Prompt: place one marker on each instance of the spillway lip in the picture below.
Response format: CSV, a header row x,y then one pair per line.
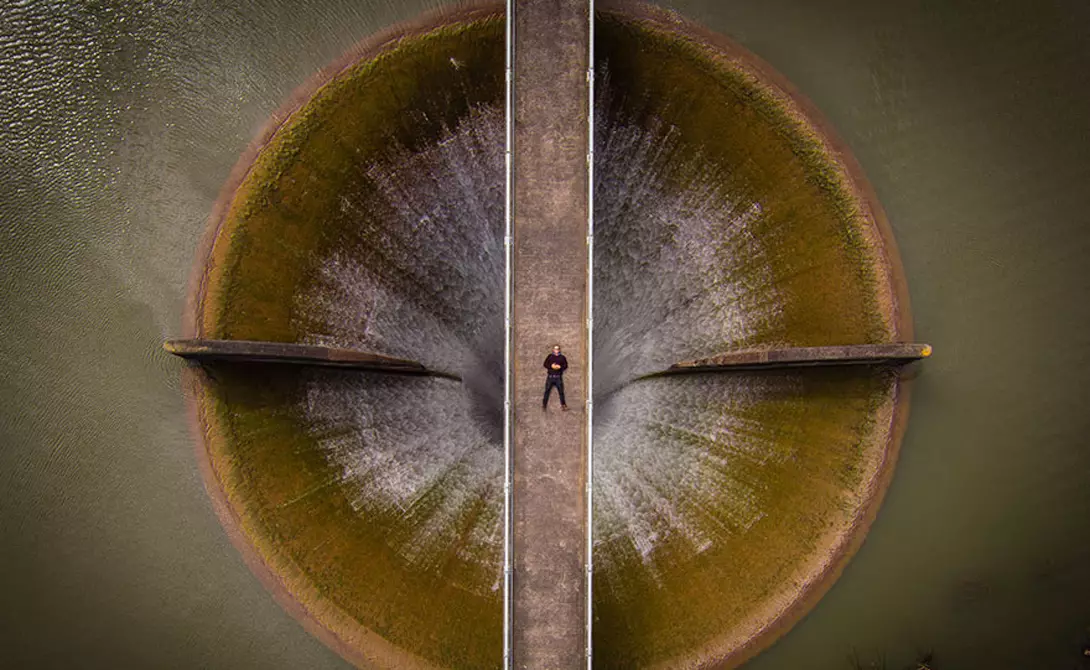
x,y
337,630
766,625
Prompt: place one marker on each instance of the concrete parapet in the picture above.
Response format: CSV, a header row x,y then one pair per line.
x,y
249,351
895,353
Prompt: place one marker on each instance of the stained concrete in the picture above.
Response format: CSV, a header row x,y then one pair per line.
x,y
897,353
252,351
551,44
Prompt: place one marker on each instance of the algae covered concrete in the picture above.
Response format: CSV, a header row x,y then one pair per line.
x,y
551,57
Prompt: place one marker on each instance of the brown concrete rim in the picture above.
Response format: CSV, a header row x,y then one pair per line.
x,y
367,649
883,244
724,652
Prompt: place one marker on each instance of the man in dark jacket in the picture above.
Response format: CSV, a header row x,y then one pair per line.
x,y
555,365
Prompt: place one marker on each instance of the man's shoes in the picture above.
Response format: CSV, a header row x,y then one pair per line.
x,y
564,407
544,408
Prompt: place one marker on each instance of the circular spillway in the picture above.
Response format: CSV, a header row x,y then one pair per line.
x,y
370,216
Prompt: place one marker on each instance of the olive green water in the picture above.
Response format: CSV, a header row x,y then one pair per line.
x,y
968,120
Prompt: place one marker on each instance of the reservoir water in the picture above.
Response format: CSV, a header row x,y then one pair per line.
x,y
122,122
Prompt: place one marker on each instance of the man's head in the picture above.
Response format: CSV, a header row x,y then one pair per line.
x,y
556,348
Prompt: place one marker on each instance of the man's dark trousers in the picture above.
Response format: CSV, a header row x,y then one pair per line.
x,y
550,382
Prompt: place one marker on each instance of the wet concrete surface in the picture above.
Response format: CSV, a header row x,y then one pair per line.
x,y
550,283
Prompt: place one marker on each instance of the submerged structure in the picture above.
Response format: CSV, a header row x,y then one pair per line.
x,y
729,225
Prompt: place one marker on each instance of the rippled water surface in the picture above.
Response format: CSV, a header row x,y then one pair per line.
x,y
123,120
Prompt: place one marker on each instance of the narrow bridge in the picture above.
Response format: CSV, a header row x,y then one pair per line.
x,y
549,469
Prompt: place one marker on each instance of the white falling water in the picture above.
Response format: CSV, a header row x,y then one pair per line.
x,y
678,272
425,282
678,275
672,463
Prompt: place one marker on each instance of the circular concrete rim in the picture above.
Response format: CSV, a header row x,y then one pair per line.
x,y
373,649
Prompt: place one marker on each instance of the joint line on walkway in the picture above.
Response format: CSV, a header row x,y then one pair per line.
x,y
508,214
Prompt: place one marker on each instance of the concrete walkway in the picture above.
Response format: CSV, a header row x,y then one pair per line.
x,y
551,42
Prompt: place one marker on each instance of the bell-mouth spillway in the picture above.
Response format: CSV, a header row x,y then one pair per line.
x,y
728,219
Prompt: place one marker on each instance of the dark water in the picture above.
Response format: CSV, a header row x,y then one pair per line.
x,y
121,122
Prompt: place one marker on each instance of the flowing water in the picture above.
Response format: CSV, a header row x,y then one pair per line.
x,y
124,120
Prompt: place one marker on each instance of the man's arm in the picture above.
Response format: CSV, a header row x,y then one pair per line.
x,y
546,363
563,363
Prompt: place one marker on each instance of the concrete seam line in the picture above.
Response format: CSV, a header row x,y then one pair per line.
x,y
507,306
589,550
